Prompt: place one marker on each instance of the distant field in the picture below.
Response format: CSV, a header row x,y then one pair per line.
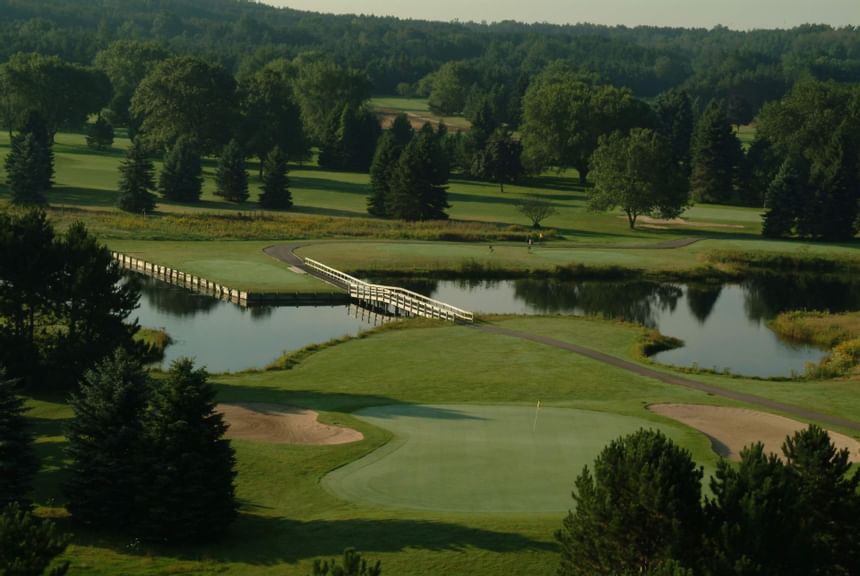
x,y
417,110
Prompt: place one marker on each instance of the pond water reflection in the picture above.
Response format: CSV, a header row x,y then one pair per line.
x,y
724,326
226,337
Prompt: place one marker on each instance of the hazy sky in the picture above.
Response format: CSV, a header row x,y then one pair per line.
x,y
740,14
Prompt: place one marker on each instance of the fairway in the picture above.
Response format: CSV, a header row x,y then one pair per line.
x,y
462,458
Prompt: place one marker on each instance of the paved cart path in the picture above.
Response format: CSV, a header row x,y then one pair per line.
x,y
674,379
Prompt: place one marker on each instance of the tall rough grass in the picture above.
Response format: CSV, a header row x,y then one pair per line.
x,y
838,332
268,226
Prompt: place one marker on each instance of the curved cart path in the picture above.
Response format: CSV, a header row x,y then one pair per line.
x,y
674,379
285,253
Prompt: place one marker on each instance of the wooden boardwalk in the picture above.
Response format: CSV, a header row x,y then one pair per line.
x,y
392,298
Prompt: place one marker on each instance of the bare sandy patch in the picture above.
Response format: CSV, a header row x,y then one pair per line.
x,y
730,429
661,224
281,424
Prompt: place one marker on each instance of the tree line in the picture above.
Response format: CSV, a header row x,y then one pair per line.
x,y
743,67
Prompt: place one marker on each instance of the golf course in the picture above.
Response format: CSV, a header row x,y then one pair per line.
x,y
456,445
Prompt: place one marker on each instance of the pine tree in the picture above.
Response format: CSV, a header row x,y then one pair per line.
x,y
829,499
181,177
784,199
35,125
28,546
836,190
100,134
675,123
276,192
18,464
755,518
231,177
402,130
499,161
419,182
106,439
190,492
136,180
640,508
23,166
716,156
385,160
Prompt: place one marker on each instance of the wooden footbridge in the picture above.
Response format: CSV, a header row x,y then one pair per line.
x,y
387,298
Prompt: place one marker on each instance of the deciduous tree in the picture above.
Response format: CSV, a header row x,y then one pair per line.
x,y
182,96
500,160
639,174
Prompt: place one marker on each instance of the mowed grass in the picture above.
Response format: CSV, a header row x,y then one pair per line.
x,y
288,518
87,179
478,459
239,265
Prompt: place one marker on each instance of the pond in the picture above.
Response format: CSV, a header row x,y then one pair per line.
x,y
724,326
223,336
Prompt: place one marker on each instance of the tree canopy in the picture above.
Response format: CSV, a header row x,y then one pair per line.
x,y
639,174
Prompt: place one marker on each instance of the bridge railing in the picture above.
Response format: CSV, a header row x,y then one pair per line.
x,y
400,298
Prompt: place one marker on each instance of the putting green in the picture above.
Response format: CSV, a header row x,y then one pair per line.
x,y
464,458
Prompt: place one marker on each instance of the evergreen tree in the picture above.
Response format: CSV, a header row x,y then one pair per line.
x,y
350,140
836,190
23,165
500,160
639,508
784,201
231,177
716,155
36,126
181,177
385,160
100,134
419,182
829,500
28,546
675,123
105,445
190,492
136,180
755,518
276,192
402,130
18,464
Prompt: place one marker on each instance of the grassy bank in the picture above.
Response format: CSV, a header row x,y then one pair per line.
x,y
840,333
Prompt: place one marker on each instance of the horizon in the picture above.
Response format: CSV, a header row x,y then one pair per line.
x,y
734,14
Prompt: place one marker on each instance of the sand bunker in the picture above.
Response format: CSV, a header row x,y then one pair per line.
x,y
282,424
661,224
730,429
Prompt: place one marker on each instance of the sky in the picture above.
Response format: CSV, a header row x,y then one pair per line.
x,y
736,14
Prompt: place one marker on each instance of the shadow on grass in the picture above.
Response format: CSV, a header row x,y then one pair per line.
x,y
335,212
265,541
307,183
335,402
92,197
